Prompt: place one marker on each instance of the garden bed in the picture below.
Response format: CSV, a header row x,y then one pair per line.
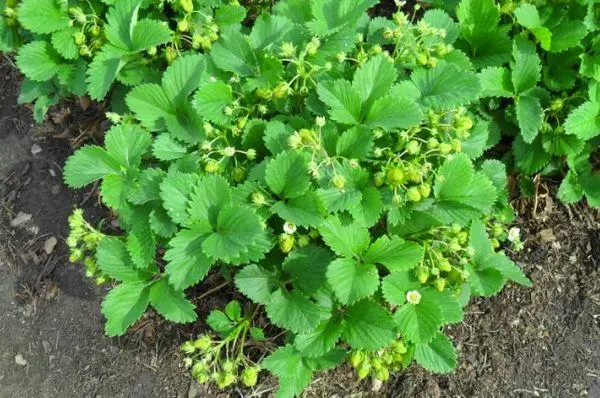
x,y
541,341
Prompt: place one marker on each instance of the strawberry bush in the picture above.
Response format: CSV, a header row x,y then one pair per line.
x,y
338,169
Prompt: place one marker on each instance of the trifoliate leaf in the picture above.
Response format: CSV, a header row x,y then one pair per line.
x,y
235,229
374,78
114,261
103,70
530,116
367,210
527,67
352,281
256,283
166,148
115,189
175,191
87,165
211,99
124,305
219,322
292,371
187,263
368,326
294,311
183,77
43,16
38,61
322,340
208,198
446,85
127,144
437,356
306,267
287,175
171,304
395,253
495,82
345,240
306,210
420,322
120,21
233,53
343,100
584,121
329,16
150,105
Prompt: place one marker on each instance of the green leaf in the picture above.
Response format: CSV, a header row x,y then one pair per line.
x,y
186,262
345,240
211,99
368,326
166,148
530,158
306,210
141,243
269,30
495,82
38,61
124,305
306,267
322,340
127,144
352,281
220,323
527,67
485,282
528,16
439,19
115,189
233,53
276,136
530,116
114,261
208,199
397,284
171,304
477,17
329,16
103,70
566,35
149,33
291,369
420,322
508,269
175,191
287,175
256,283
120,21
374,78
294,311
446,85
236,228
570,190
584,121
355,143
233,310
343,100
391,112
395,253
437,356
150,105
183,77
64,43
87,165
161,223
43,16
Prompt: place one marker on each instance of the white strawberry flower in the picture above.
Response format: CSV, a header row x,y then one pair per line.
x,y
413,297
229,151
514,234
289,228
320,121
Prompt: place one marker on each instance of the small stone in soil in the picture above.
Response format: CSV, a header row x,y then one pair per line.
x,y
21,218
55,190
19,360
47,347
35,149
50,244
52,172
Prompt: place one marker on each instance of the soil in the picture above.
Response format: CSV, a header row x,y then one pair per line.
x,y
538,342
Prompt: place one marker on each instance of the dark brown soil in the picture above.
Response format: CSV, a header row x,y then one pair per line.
x,y
543,341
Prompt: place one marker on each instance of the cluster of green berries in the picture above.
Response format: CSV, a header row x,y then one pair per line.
x,y
198,30
379,364
417,44
291,237
10,13
445,258
219,157
500,233
82,241
204,359
89,38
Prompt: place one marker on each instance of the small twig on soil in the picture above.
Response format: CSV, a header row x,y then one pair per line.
x,y
9,61
89,194
214,289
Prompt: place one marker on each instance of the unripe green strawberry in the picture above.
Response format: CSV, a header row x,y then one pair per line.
x,y
314,234
258,198
413,194
454,246
239,174
388,34
203,342
281,90
197,39
425,190
463,237
356,358
228,366
398,358
313,46
102,279
432,143
445,148
495,243
152,51
413,175
434,271
497,230
401,348
286,243
198,369
170,55
556,105
183,25
212,166
187,347
382,374
302,240
395,176
439,284
202,378
422,274
364,369
387,358
250,376
433,61
224,379
338,181
95,31
456,145
470,251
265,93
413,147
379,179
376,363
79,38
422,59
187,6
78,14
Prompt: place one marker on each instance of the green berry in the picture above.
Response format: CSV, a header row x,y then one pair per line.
x,y
413,194
286,243
422,274
250,376
432,143
439,284
203,343
338,181
444,265
364,369
187,347
356,358
413,147
187,6
445,148
425,190
395,176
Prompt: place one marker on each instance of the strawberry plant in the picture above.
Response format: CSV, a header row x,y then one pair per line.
x,y
328,164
